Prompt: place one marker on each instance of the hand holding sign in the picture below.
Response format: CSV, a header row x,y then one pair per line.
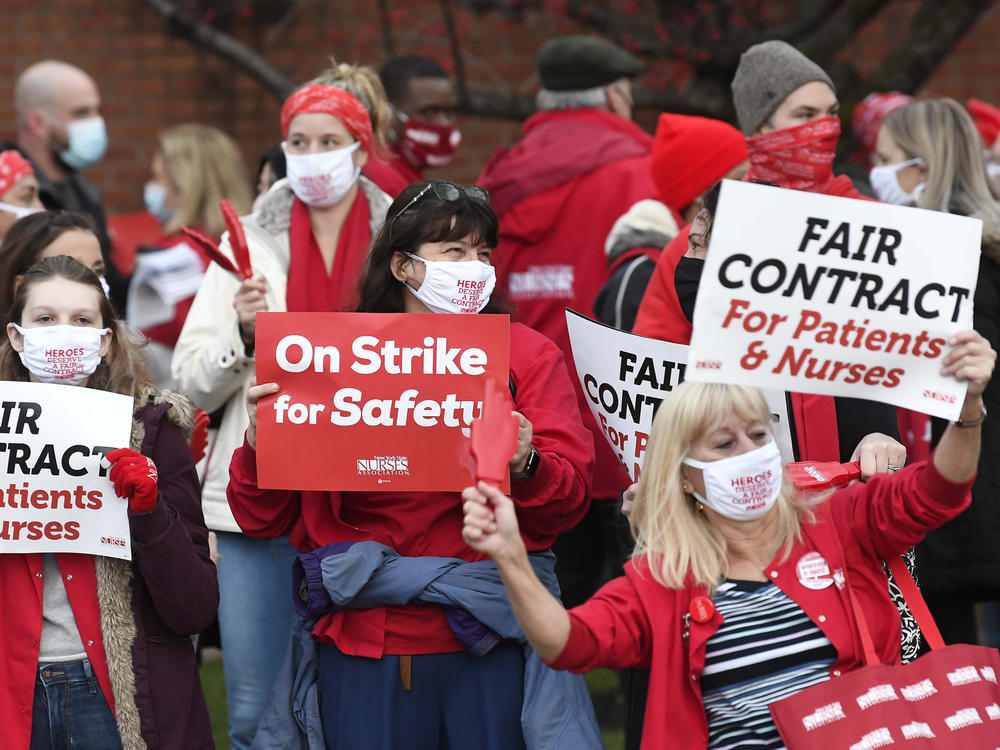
x,y
135,479
495,435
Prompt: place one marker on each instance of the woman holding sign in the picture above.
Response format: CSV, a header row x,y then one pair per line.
x,y
730,597
97,651
306,247
929,155
419,686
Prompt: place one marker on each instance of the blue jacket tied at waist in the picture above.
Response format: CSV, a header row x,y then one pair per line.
x,y
557,713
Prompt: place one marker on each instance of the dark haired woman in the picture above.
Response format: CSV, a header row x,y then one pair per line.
x,y
399,676
97,653
47,234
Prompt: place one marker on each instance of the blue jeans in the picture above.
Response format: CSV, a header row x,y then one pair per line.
x,y
457,702
70,711
255,619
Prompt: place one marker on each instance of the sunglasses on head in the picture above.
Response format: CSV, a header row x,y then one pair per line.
x,y
446,191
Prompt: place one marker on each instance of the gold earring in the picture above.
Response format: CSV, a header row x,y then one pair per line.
x,y
699,506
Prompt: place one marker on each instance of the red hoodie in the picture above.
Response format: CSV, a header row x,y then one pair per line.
x,y
558,192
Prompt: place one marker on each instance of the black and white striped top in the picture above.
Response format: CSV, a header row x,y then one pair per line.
x,y
766,650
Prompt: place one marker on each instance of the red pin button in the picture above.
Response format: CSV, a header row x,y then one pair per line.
x,y
702,610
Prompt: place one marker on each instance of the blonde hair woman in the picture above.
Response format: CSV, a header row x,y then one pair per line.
x,y
193,169
729,598
930,155
363,82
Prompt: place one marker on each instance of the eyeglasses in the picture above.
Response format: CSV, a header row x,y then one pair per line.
x,y
446,191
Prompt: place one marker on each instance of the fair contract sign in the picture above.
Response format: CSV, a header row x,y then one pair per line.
x,y
836,296
372,401
55,495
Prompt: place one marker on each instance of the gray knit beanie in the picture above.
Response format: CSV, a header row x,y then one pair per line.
x,y
767,74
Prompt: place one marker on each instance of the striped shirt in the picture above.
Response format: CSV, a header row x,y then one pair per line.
x,y
766,650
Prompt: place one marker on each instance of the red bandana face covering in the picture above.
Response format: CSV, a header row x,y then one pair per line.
x,y
428,144
800,158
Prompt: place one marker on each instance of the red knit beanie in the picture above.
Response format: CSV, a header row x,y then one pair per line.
x,y
690,154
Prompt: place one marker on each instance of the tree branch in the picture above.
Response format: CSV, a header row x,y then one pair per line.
x,y
461,86
180,24
388,43
823,44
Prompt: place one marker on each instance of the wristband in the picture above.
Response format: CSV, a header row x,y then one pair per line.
x,y
982,418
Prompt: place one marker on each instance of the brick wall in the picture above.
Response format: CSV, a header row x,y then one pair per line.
x,y
150,81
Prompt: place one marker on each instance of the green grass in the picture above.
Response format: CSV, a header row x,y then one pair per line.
x,y
215,695
603,685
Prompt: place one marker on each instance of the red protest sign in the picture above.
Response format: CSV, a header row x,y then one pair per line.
x,y
373,401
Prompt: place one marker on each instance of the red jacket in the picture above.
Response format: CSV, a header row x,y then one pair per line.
x,y
558,192
636,622
430,523
392,175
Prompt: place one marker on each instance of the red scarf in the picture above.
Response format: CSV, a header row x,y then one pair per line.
x,y
800,158
310,287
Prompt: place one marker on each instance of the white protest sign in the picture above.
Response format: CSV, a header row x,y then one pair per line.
x,y
836,296
54,494
625,377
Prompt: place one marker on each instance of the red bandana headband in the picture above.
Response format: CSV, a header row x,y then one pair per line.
x,y
332,101
13,166
800,158
867,120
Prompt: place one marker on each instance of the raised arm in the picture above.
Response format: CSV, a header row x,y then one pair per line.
x,y
491,528
970,359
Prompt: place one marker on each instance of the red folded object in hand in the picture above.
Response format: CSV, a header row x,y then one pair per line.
x,y
817,476
494,435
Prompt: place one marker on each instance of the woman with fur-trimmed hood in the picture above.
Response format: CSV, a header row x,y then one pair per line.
x,y
97,651
929,155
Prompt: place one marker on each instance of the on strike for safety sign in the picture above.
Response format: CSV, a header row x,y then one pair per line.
x,y
373,401
821,294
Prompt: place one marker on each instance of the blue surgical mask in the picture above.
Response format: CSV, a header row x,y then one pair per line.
x,y
154,195
88,140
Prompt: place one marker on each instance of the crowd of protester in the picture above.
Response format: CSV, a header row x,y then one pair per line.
x,y
586,211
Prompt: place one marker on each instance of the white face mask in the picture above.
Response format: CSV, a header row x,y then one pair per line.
x,y
105,286
743,487
19,211
993,171
885,182
322,179
61,354
455,286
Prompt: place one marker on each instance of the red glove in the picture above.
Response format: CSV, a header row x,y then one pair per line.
x,y
134,478
199,437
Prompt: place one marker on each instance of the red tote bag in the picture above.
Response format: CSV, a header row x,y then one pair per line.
x,y
947,699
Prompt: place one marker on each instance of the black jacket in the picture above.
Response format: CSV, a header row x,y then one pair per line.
x,y
80,195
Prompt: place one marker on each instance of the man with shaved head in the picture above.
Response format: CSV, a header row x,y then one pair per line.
x,y
60,129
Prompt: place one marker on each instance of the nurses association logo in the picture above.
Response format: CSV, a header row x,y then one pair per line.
x,y
384,466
